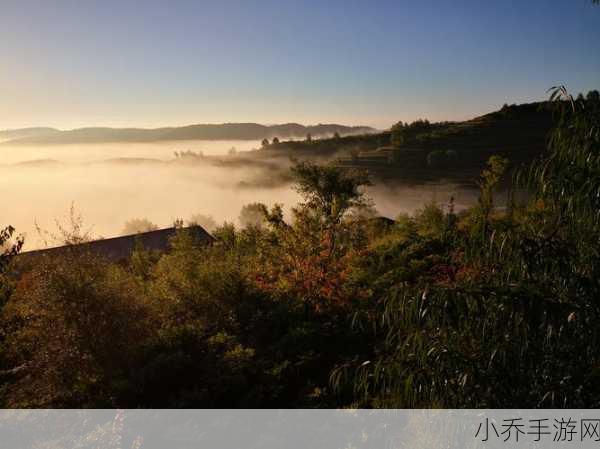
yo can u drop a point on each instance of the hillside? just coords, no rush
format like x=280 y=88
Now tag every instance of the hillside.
x=10 y=134
x=225 y=131
x=435 y=150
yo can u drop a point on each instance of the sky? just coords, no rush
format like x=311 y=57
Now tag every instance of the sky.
x=151 y=63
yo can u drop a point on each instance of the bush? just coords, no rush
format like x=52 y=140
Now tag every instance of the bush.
x=73 y=327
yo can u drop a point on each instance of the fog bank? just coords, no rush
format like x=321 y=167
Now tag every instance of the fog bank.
x=40 y=184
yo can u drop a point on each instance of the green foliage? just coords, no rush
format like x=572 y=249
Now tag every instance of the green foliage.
x=206 y=221
x=488 y=181
x=335 y=307
x=329 y=191
x=73 y=328
x=252 y=215
x=404 y=133
x=397 y=133
x=503 y=315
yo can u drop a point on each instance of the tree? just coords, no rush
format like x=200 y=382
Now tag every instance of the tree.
x=397 y=132
x=404 y=132
x=76 y=329
x=488 y=181
x=328 y=190
x=71 y=232
x=138 y=225
x=593 y=96
x=305 y=260
x=265 y=143
x=275 y=140
x=336 y=135
x=252 y=215
x=309 y=138
x=206 y=221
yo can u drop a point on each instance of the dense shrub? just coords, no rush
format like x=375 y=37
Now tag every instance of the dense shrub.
x=73 y=327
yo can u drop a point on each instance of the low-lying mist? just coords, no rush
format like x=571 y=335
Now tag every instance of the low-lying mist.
x=12 y=154
x=112 y=184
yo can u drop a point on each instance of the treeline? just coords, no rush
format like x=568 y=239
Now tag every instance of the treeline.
x=326 y=147
x=526 y=120
x=422 y=150
x=334 y=307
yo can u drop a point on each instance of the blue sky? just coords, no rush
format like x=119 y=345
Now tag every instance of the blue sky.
x=153 y=63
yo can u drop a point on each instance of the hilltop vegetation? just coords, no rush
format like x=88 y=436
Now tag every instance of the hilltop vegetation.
x=335 y=307
x=427 y=151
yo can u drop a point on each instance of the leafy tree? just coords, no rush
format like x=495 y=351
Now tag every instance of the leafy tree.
x=275 y=140
x=206 y=221
x=265 y=143
x=401 y=133
x=252 y=215
x=304 y=259
x=328 y=191
x=397 y=132
x=593 y=96
x=488 y=181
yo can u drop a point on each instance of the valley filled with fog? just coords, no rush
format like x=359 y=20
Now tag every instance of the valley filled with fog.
x=109 y=184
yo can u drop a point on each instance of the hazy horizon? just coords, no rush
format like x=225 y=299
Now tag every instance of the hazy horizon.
x=182 y=125
x=70 y=65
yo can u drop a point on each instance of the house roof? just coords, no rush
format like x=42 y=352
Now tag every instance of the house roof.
x=120 y=248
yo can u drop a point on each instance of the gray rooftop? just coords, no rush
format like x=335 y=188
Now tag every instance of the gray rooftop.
x=120 y=248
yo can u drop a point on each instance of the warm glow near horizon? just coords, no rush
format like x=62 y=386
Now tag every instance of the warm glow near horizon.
x=71 y=65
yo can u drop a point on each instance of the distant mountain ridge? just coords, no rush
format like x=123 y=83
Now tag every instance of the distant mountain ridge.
x=225 y=131
x=11 y=134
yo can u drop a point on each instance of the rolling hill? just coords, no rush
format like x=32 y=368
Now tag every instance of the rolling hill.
x=225 y=131
x=11 y=134
x=517 y=132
